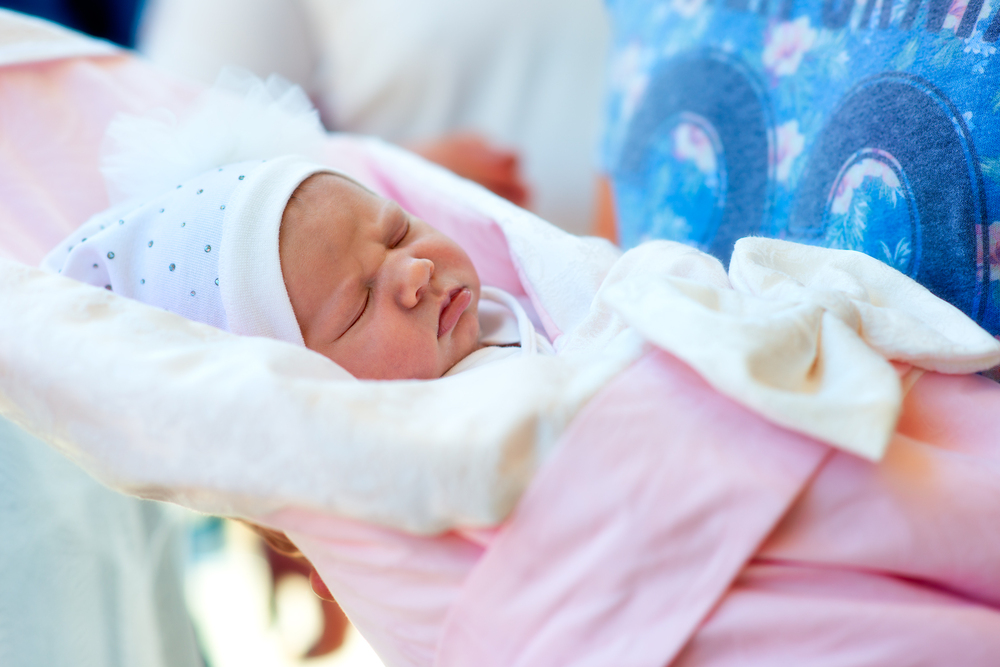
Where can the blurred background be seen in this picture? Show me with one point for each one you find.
(252, 606)
(504, 92)
(114, 20)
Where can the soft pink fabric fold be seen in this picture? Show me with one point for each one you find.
(807, 616)
(930, 512)
(633, 530)
(52, 120)
(894, 564)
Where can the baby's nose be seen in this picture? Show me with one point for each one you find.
(416, 276)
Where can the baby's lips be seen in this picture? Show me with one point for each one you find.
(458, 301)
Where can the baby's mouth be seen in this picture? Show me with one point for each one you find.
(452, 308)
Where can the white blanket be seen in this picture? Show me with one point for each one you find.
(160, 407)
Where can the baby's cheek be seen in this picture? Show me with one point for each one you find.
(396, 351)
(409, 360)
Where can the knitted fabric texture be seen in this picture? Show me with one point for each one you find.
(206, 249)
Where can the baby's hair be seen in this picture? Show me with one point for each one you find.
(295, 202)
(310, 182)
(301, 188)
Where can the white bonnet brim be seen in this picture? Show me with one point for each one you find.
(251, 283)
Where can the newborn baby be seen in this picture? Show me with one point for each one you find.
(293, 250)
(375, 289)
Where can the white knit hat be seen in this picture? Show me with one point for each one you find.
(207, 250)
(204, 247)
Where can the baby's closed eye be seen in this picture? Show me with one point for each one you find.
(361, 311)
(401, 235)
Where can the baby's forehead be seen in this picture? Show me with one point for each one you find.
(330, 189)
(318, 185)
(332, 213)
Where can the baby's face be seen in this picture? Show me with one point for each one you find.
(376, 290)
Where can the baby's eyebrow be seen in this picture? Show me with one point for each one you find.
(348, 301)
(392, 218)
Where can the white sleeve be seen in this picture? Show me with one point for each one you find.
(196, 38)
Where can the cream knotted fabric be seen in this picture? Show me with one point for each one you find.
(800, 334)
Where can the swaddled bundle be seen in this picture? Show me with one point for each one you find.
(281, 424)
(458, 452)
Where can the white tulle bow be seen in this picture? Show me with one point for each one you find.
(241, 118)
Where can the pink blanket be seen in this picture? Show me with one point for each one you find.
(671, 526)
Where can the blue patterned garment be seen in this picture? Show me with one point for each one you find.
(870, 125)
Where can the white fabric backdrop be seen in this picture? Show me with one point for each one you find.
(527, 73)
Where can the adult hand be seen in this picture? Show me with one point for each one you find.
(604, 223)
(471, 156)
(280, 543)
(284, 559)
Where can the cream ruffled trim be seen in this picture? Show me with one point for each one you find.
(241, 118)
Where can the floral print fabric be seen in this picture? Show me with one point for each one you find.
(867, 125)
